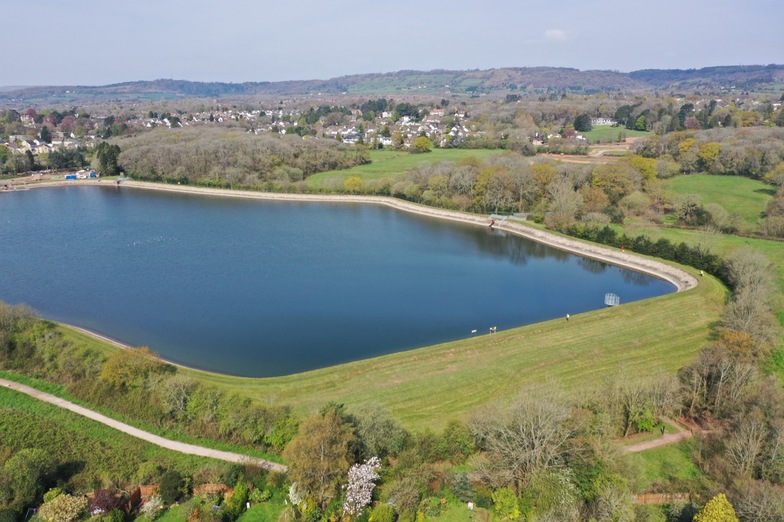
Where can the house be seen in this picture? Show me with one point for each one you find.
(603, 121)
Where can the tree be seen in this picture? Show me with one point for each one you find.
(529, 434)
(378, 432)
(616, 180)
(171, 486)
(27, 473)
(506, 505)
(353, 184)
(421, 145)
(718, 509)
(319, 458)
(563, 202)
(582, 123)
(125, 368)
(108, 157)
(708, 157)
(361, 482)
(46, 135)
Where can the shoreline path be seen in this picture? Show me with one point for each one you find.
(679, 278)
(181, 447)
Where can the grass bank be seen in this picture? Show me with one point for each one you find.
(93, 450)
(428, 386)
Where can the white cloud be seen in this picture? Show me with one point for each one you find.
(555, 35)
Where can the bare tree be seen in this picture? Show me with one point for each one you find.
(531, 432)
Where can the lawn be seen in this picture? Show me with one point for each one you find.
(609, 134)
(723, 245)
(745, 196)
(666, 468)
(393, 164)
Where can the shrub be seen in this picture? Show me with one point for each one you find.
(171, 487)
(383, 513)
(52, 494)
(63, 508)
(8, 515)
(152, 508)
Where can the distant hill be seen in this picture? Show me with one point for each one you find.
(738, 76)
(491, 81)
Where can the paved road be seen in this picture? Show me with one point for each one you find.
(181, 447)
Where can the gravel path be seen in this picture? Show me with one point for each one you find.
(664, 440)
(173, 445)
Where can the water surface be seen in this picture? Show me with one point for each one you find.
(263, 288)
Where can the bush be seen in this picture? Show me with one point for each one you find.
(171, 487)
(8, 515)
(152, 508)
(63, 508)
(383, 513)
(52, 494)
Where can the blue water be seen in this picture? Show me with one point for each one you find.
(262, 288)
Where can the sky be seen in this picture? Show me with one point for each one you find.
(99, 42)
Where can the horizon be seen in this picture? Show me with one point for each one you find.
(7, 88)
(247, 42)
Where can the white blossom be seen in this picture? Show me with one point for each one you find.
(361, 481)
(294, 495)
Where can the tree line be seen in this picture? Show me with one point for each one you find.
(228, 158)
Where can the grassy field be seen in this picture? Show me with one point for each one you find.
(59, 391)
(745, 196)
(671, 465)
(93, 450)
(607, 133)
(393, 164)
(722, 244)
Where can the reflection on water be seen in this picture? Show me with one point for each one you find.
(268, 288)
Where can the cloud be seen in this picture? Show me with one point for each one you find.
(555, 35)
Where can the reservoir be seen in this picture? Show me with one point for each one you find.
(266, 288)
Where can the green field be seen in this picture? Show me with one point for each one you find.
(668, 465)
(721, 244)
(59, 391)
(608, 133)
(745, 196)
(393, 164)
(93, 450)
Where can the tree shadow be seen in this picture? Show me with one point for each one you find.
(767, 191)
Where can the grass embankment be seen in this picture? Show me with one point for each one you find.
(429, 386)
(393, 164)
(60, 391)
(747, 197)
(92, 449)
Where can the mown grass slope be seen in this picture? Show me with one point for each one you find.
(428, 386)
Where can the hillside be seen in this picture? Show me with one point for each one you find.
(443, 82)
